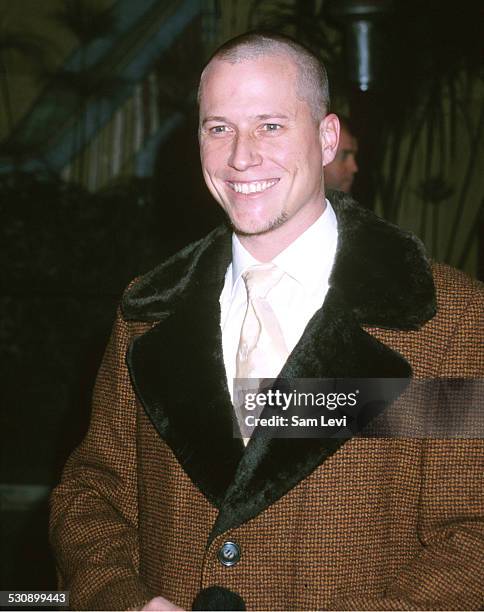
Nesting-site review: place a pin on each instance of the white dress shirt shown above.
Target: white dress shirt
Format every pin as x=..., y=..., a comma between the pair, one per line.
x=307, y=263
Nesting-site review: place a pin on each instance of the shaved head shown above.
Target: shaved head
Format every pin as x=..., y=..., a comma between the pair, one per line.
x=311, y=82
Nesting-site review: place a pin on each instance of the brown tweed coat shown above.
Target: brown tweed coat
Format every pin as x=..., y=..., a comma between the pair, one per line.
x=159, y=483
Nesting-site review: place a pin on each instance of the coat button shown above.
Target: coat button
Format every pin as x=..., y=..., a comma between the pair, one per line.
x=229, y=554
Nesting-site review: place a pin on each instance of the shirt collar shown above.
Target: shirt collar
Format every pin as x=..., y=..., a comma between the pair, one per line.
x=308, y=259
x=241, y=259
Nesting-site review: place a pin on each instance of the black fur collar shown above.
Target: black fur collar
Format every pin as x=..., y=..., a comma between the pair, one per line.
x=381, y=277
x=381, y=270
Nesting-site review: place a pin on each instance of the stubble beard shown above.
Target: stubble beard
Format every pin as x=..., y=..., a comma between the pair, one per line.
x=272, y=225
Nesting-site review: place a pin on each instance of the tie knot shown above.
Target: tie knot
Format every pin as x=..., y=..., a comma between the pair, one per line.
x=260, y=279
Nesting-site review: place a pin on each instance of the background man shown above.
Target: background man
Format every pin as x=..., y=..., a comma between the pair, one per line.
x=161, y=506
x=340, y=173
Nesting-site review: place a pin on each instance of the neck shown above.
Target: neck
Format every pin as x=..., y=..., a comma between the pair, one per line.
x=264, y=247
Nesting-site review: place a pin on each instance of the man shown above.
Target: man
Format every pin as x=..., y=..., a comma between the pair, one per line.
x=340, y=173
x=161, y=507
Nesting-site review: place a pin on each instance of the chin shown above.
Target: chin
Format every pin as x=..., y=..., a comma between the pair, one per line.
x=257, y=227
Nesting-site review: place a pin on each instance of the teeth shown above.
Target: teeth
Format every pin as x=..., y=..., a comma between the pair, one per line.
x=254, y=187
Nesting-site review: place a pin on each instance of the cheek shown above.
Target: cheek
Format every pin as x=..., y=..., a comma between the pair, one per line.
x=208, y=169
x=290, y=159
x=334, y=167
x=210, y=158
x=214, y=154
x=206, y=159
x=311, y=156
x=312, y=166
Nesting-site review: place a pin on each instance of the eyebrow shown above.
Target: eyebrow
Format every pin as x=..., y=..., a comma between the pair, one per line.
x=263, y=117
x=272, y=116
x=214, y=118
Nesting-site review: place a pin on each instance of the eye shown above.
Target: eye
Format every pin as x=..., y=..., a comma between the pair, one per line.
x=219, y=129
x=271, y=127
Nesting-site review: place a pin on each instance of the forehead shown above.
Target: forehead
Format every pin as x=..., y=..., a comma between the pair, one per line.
x=258, y=82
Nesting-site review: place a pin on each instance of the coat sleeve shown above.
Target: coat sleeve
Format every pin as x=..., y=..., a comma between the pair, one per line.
x=448, y=573
x=94, y=522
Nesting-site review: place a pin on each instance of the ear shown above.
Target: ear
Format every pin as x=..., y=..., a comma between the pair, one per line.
x=329, y=129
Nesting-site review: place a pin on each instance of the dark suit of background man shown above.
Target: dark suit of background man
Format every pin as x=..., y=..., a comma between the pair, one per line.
x=161, y=506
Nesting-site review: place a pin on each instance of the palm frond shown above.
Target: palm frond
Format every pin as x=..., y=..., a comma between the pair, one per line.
x=86, y=20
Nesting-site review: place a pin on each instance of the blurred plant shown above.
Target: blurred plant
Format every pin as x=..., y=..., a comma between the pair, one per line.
x=31, y=47
x=178, y=71
x=87, y=22
x=430, y=88
x=435, y=190
x=86, y=83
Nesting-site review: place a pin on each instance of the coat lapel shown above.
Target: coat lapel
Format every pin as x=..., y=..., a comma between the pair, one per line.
x=177, y=367
x=380, y=278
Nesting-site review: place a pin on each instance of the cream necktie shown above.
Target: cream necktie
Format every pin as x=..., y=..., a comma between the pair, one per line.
x=262, y=350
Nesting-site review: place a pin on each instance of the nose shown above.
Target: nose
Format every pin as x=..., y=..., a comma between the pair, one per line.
x=352, y=165
x=244, y=153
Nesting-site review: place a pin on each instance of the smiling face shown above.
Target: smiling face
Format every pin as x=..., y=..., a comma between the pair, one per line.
x=262, y=151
